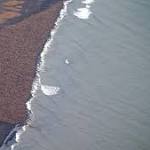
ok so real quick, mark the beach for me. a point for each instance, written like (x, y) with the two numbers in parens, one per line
(23, 34)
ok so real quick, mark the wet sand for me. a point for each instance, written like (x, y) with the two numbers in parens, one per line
(22, 37)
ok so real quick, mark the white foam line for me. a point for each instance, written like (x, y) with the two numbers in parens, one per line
(40, 66)
(49, 42)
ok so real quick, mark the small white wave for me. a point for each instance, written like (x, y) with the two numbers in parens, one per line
(88, 2)
(67, 61)
(83, 13)
(19, 133)
(50, 90)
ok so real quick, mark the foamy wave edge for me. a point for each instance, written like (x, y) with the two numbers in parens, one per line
(36, 83)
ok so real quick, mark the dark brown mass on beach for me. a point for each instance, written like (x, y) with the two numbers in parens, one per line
(24, 28)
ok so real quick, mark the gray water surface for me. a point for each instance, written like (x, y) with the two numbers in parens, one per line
(104, 97)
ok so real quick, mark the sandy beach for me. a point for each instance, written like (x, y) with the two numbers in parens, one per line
(22, 37)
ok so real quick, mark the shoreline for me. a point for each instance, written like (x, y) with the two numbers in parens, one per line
(21, 45)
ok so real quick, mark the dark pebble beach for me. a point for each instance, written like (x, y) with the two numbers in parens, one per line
(24, 29)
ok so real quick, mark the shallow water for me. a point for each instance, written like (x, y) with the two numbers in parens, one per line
(96, 81)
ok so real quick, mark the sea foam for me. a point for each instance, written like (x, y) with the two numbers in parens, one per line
(84, 12)
(50, 90)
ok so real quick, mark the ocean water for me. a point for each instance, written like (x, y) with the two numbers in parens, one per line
(94, 91)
